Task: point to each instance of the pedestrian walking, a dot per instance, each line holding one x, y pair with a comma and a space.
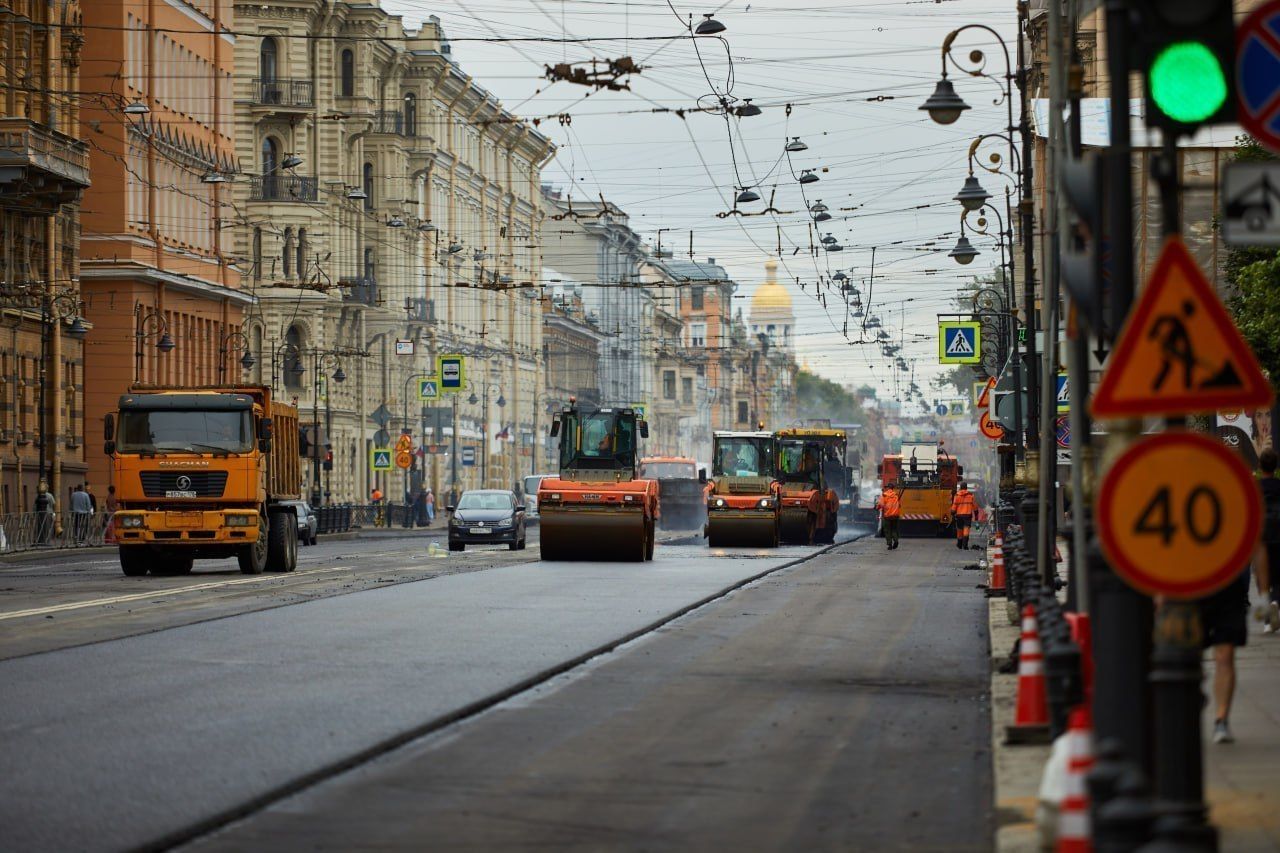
81, 513
113, 503
890, 505
963, 506
420, 508
46, 507
93, 499
431, 506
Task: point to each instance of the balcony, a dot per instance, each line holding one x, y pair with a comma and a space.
420, 310
359, 291
284, 95
283, 188
40, 168
390, 122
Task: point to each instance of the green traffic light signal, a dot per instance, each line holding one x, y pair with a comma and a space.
1188, 83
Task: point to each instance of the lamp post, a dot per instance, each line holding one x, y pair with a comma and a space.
945, 107
54, 309
233, 342
484, 427
322, 361
405, 429
149, 323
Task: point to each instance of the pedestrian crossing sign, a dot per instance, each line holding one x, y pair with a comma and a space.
959, 342
1179, 352
380, 459
1064, 394
428, 389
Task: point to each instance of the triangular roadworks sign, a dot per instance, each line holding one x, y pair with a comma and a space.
1179, 352
984, 399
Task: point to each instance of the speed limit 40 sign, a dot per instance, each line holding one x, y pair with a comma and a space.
1179, 515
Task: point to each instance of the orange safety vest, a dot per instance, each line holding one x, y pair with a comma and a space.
890, 503
964, 503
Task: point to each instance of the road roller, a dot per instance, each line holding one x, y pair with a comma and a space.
744, 499
597, 508
810, 507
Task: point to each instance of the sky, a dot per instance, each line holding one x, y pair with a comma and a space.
845, 76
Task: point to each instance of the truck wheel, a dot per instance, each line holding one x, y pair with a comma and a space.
253, 558
133, 561
282, 543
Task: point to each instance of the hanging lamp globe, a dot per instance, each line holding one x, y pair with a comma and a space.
166, 344
795, 146
291, 161
747, 109
964, 253
944, 106
247, 361
709, 26
972, 196
748, 195
808, 177
339, 375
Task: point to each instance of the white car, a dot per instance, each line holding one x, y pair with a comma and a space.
531, 484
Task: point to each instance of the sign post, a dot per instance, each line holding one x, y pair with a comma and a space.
452, 370
959, 342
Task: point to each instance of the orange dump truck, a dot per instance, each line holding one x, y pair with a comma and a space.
928, 476
204, 473
597, 508
682, 503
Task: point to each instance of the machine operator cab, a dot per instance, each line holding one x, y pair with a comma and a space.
745, 454
600, 444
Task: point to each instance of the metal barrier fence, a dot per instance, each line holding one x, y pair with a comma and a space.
26, 531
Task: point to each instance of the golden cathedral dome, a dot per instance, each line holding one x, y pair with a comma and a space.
770, 298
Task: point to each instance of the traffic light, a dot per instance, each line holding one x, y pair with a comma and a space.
1083, 270
328, 460
1188, 57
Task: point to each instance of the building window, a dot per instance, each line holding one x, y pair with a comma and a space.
368, 265
301, 262
288, 252
348, 73
268, 60
368, 186
293, 358
697, 334
410, 114
743, 414
686, 389
695, 296
668, 384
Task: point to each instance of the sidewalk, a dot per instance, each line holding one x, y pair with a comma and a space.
1242, 780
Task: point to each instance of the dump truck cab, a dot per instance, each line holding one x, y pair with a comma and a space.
810, 506
681, 490
744, 495
597, 507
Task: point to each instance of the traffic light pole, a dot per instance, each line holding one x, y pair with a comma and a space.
1120, 617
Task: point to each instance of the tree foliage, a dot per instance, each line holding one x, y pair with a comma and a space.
818, 398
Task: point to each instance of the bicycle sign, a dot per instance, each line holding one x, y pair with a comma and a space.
1179, 515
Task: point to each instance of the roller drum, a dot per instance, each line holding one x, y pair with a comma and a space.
593, 534
754, 532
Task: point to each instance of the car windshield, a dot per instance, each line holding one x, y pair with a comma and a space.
800, 461
482, 500
598, 437
742, 457
669, 470
192, 431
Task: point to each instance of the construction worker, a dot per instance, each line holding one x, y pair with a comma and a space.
963, 506
890, 505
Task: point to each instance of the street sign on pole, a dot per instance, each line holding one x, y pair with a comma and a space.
1258, 74
990, 428
468, 456
428, 389
1063, 394
452, 371
1251, 204
404, 459
380, 459
404, 443
1062, 432
984, 396
404, 346
1179, 352
1179, 515
959, 342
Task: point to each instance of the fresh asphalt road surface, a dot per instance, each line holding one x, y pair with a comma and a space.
840, 704
116, 740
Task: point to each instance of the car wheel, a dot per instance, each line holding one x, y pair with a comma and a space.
513, 545
457, 546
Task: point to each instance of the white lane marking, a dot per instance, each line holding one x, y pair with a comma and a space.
121, 599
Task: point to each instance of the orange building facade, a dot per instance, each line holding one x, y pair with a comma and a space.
162, 296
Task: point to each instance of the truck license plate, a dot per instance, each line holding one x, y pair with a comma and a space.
177, 494
479, 530
183, 519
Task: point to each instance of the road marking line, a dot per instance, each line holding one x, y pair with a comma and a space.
138, 596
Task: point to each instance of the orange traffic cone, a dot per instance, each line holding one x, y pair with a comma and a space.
1031, 720
1074, 831
996, 580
